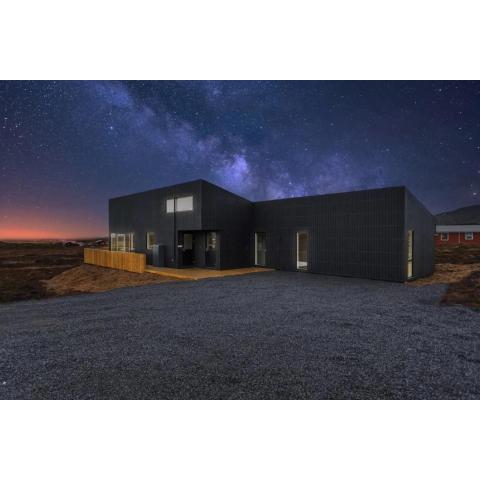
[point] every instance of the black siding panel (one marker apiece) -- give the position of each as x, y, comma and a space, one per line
146, 212
359, 234
231, 216
356, 234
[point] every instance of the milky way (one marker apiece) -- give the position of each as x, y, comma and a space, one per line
66, 147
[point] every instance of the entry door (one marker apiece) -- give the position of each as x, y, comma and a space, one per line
188, 250
302, 251
211, 250
260, 249
410, 240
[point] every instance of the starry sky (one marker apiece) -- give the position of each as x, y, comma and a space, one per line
66, 147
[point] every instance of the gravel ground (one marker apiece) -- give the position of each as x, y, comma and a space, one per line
270, 335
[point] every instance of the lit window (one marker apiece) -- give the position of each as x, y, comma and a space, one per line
121, 242
182, 204
410, 240
468, 235
113, 242
150, 240
444, 237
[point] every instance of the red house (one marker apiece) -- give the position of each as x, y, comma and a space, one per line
457, 235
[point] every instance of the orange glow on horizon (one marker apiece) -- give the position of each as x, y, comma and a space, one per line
25, 234
59, 227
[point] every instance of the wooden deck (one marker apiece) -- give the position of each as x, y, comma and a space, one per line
201, 273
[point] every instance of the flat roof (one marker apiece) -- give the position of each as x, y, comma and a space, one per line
457, 228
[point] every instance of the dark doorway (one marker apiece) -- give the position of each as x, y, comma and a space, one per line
188, 255
211, 250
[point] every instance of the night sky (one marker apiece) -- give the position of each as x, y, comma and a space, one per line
66, 147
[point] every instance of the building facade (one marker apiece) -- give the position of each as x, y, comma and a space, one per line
384, 234
457, 235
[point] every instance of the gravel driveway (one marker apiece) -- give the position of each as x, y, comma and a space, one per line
268, 335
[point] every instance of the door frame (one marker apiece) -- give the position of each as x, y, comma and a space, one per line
215, 266
256, 249
297, 261
410, 254
181, 256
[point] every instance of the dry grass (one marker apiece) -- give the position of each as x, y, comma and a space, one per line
459, 267
465, 292
90, 278
23, 267
458, 254
447, 273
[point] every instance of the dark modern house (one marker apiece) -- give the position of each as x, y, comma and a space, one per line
384, 234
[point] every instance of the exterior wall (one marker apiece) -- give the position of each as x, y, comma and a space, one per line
147, 212
231, 216
358, 234
457, 238
422, 222
214, 209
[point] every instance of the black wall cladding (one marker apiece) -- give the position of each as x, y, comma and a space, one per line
359, 234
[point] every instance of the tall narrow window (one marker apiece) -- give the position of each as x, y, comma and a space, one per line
410, 238
302, 251
260, 248
113, 242
129, 242
121, 242
150, 240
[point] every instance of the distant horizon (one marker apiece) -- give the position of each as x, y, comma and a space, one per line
53, 239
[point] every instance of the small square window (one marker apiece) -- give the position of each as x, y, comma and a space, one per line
468, 235
444, 237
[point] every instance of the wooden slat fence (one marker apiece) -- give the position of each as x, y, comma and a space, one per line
129, 261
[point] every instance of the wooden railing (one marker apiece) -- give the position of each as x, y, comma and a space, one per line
129, 261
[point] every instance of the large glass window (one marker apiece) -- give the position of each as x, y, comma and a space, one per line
181, 204
121, 242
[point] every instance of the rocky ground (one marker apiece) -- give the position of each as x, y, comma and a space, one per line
276, 335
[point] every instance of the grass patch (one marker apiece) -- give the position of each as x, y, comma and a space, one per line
465, 292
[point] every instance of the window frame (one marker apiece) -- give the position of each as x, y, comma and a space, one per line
171, 204
410, 254
113, 242
150, 244
444, 237
127, 240
469, 236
